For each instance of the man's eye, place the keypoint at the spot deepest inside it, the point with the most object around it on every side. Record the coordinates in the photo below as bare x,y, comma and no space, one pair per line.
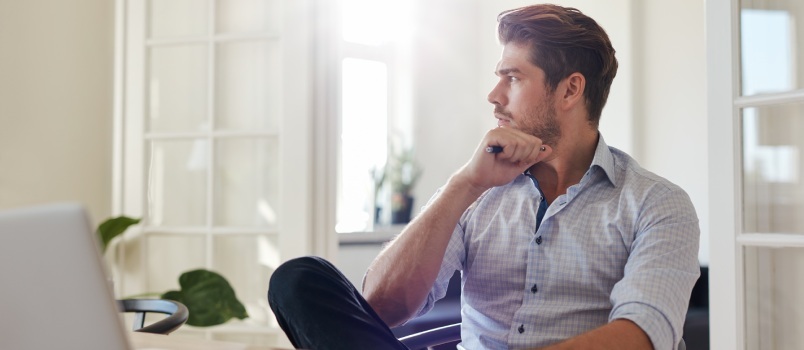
512,79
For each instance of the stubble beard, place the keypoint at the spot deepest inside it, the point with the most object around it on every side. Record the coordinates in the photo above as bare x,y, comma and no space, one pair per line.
544,125
541,122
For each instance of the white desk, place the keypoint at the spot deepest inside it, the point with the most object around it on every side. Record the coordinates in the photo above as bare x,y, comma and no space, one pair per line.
148,341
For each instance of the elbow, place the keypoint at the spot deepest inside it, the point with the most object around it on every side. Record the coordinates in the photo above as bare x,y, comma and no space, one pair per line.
393,310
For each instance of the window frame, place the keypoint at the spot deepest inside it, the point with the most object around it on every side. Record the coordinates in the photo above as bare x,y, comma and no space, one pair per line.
295,229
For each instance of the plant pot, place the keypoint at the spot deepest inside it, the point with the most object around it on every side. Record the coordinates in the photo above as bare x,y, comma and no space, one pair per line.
402,205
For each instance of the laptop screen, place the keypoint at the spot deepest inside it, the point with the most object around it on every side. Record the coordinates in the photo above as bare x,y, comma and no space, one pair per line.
55,293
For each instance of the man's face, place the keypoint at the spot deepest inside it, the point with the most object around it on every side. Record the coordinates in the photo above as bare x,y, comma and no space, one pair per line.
521,99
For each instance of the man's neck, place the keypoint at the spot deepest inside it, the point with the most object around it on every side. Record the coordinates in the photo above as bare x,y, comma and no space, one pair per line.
568,164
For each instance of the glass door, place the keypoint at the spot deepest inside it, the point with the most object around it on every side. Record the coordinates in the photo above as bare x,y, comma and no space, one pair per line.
771,106
756,97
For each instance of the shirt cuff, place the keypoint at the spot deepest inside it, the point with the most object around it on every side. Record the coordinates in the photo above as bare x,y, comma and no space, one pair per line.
652,322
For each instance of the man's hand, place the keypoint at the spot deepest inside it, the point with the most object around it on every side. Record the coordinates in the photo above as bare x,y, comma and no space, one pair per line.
519,152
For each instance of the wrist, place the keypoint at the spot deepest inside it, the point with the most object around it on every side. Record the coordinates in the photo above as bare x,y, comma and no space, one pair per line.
463,184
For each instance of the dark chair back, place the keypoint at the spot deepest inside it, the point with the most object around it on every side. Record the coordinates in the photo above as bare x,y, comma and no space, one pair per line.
176,311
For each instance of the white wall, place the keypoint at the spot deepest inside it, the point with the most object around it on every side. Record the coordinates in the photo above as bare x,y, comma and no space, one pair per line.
450,112
673,132
56,103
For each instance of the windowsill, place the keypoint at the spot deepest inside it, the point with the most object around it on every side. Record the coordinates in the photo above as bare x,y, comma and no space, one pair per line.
380,235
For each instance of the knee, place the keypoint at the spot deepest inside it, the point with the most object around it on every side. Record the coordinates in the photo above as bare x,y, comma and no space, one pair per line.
292,277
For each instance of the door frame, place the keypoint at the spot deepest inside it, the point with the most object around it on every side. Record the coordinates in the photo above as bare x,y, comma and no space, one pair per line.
726,301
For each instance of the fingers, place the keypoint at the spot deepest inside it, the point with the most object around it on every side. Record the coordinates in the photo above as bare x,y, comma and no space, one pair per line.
545,152
503,154
516,147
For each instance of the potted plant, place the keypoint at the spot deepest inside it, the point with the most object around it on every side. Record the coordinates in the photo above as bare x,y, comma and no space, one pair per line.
402,173
207,295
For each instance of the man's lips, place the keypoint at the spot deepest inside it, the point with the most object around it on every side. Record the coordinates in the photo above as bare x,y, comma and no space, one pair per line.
503,117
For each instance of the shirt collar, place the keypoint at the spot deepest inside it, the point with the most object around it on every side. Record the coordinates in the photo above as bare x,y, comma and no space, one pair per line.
604,160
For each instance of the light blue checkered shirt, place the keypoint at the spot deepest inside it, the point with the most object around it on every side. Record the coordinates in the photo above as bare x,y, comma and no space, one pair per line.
622,243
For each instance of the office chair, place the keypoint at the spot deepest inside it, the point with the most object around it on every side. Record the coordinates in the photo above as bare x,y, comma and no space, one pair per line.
432,337
446,334
176,311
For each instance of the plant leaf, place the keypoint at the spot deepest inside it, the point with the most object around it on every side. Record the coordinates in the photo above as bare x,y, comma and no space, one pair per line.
209,298
112,228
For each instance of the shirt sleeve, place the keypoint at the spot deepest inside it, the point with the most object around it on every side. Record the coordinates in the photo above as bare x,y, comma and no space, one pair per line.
452,262
661,270
454,258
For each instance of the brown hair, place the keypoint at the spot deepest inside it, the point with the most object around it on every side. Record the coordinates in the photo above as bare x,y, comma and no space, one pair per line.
563,41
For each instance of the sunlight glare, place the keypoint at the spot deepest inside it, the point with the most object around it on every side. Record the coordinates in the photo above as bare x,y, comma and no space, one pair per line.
375,22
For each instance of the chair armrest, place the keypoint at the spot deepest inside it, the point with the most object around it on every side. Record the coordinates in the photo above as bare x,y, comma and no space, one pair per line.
432,337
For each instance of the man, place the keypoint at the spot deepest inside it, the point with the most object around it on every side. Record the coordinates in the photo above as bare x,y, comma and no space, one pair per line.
562,241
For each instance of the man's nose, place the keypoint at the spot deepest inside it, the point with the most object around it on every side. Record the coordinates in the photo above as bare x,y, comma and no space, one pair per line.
496,96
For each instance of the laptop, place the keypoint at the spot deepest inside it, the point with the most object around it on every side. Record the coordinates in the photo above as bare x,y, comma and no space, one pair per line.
55,293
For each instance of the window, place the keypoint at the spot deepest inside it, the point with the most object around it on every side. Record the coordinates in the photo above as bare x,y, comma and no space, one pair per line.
214,116
374,121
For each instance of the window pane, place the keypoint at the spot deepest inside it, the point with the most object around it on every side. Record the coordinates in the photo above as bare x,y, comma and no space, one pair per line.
248,273
773,196
364,141
248,16
169,257
771,58
247,85
178,18
773,312
177,183
246,182
178,88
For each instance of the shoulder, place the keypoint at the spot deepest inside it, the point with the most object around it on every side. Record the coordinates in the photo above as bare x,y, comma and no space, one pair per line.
654,194
632,176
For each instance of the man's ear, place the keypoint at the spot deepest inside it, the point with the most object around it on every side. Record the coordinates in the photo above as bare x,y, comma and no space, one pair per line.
573,88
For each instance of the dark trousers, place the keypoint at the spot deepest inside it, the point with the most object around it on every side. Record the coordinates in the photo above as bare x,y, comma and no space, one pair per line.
319,309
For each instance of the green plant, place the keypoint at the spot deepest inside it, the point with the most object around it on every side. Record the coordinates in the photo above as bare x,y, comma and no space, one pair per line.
402,171
208,296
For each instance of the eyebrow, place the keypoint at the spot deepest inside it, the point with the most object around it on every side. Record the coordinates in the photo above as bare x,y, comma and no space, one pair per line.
506,71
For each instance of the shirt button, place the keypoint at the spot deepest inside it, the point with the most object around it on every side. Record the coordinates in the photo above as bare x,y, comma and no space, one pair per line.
521,328
534,289
539,240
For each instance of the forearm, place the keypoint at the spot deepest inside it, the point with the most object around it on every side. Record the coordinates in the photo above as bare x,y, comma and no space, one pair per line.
619,334
399,279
